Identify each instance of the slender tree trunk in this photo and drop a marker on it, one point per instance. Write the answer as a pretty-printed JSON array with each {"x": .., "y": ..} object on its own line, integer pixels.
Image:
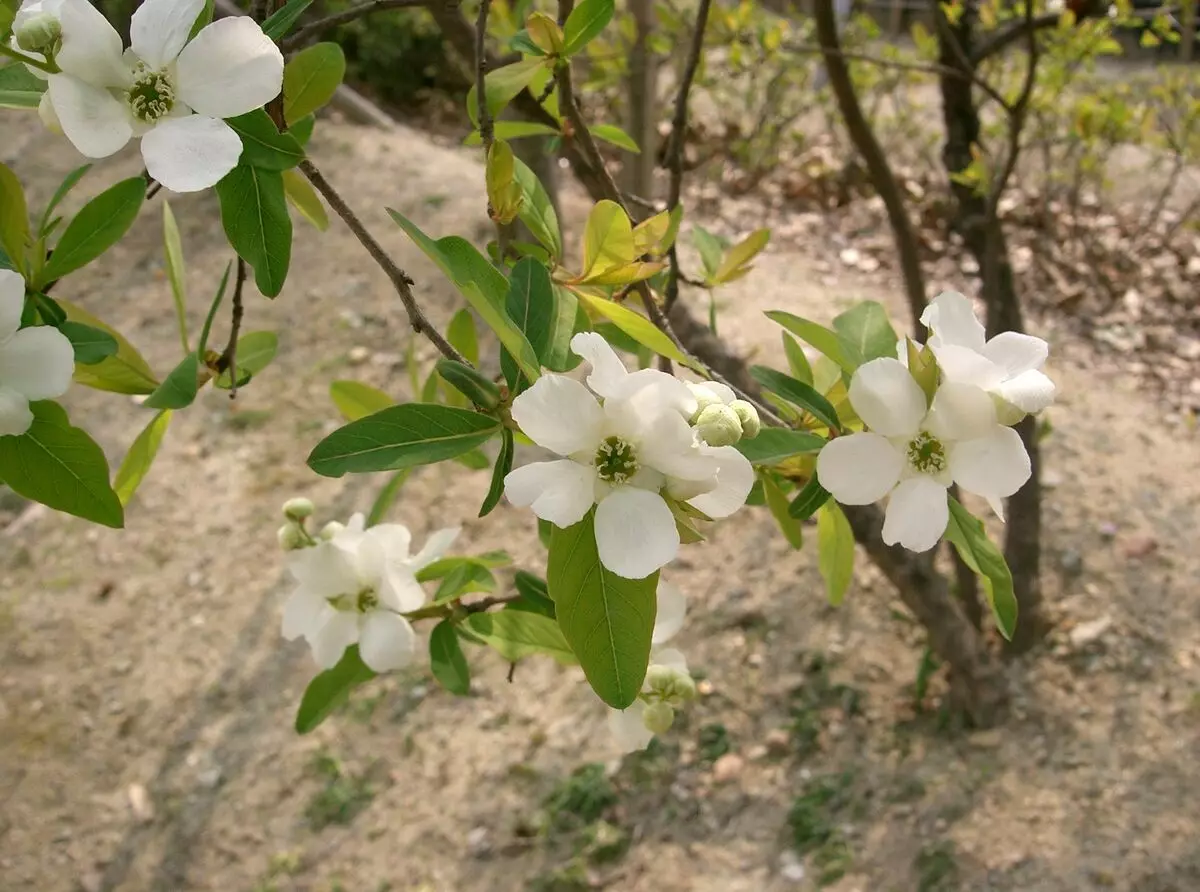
[{"x": 637, "y": 175}]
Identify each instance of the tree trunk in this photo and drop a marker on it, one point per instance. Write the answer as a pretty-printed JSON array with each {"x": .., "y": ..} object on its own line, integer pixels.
[{"x": 637, "y": 174}]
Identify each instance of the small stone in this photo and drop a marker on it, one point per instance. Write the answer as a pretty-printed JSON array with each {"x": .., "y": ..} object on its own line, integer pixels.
[
  {"x": 850, "y": 256},
  {"x": 1089, "y": 632},
  {"x": 779, "y": 742},
  {"x": 1141, "y": 547},
  {"x": 91, "y": 881},
  {"x": 727, "y": 768},
  {"x": 756, "y": 753},
  {"x": 1108, "y": 530},
  {"x": 358, "y": 355},
  {"x": 139, "y": 802},
  {"x": 868, "y": 264},
  {"x": 704, "y": 688},
  {"x": 210, "y": 778},
  {"x": 477, "y": 842},
  {"x": 1070, "y": 562},
  {"x": 791, "y": 867}
]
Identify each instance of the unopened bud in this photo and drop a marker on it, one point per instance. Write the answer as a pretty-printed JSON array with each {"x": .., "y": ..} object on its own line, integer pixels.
[
  {"x": 331, "y": 529},
  {"x": 670, "y": 685},
  {"x": 291, "y": 537},
  {"x": 748, "y": 416},
  {"x": 719, "y": 426},
  {"x": 704, "y": 399},
  {"x": 38, "y": 33},
  {"x": 298, "y": 509},
  {"x": 658, "y": 718}
]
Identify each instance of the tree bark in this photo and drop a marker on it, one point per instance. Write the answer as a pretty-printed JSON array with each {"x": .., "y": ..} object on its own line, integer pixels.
[{"x": 637, "y": 173}]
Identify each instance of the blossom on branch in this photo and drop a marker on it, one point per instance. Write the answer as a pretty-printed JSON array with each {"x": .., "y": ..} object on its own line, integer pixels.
[
  {"x": 354, "y": 586},
  {"x": 36, "y": 363}
]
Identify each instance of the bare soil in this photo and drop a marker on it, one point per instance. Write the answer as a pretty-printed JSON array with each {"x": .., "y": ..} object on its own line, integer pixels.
[{"x": 146, "y": 697}]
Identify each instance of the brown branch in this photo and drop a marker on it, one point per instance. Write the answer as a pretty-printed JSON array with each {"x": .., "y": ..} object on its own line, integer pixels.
[
  {"x": 1002, "y": 39},
  {"x": 399, "y": 278},
  {"x": 299, "y": 38},
  {"x": 486, "y": 132},
  {"x": 227, "y": 361},
  {"x": 443, "y": 611}
]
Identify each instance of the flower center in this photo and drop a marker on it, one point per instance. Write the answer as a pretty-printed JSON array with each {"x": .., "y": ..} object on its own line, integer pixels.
[
  {"x": 362, "y": 602},
  {"x": 616, "y": 460},
  {"x": 926, "y": 453},
  {"x": 152, "y": 96}
]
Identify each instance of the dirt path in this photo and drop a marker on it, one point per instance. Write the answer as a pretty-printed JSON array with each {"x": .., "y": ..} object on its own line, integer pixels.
[{"x": 146, "y": 697}]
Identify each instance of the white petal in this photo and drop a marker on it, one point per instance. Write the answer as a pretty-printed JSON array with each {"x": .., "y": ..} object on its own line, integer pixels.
[
  {"x": 558, "y": 491},
  {"x": 37, "y": 363},
  {"x": 338, "y": 629},
  {"x": 714, "y": 390},
  {"x": 735, "y": 479},
  {"x": 916, "y": 514},
  {"x": 860, "y": 468},
  {"x": 886, "y": 398},
  {"x": 960, "y": 412},
  {"x": 559, "y": 414},
  {"x": 191, "y": 153},
  {"x": 672, "y": 607},
  {"x": 654, "y": 391},
  {"x": 965, "y": 366},
  {"x": 635, "y": 532},
  {"x": 95, "y": 123},
  {"x": 386, "y": 641},
  {"x": 160, "y": 28},
  {"x": 669, "y": 657},
  {"x": 301, "y": 612},
  {"x": 48, "y": 115},
  {"x": 668, "y": 445},
  {"x": 1016, "y": 353},
  {"x": 995, "y": 466},
  {"x": 324, "y": 569},
  {"x": 394, "y": 539},
  {"x": 1029, "y": 391},
  {"x": 628, "y": 729},
  {"x": 435, "y": 547},
  {"x": 229, "y": 69},
  {"x": 608, "y": 372},
  {"x": 12, "y": 302},
  {"x": 951, "y": 318},
  {"x": 91, "y": 49},
  {"x": 15, "y": 414}
]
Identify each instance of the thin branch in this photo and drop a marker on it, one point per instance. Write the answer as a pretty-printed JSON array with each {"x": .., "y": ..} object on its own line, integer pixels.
[
  {"x": 1001, "y": 40},
  {"x": 966, "y": 68},
  {"x": 486, "y": 131},
  {"x": 299, "y": 38},
  {"x": 444, "y": 611},
  {"x": 399, "y": 278},
  {"x": 228, "y": 358},
  {"x": 1016, "y": 117}
]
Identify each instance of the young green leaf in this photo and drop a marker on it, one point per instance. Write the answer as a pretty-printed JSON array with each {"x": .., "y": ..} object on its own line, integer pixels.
[
  {"x": 255, "y": 216},
  {"x": 736, "y": 262},
  {"x": 400, "y": 437},
  {"x": 776, "y": 444},
  {"x": 466, "y": 576},
  {"x": 607, "y": 240},
  {"x": 545, "y": 313},
  {"x": 828, "y": 342},
  {"x": 468, "y": 381},
  {"x": 777, "y": 504},
  {"x": 504, "y": 193},
  {"x": 69, "y": 182},
  {"x": 511, "y": 130},
  {"x": 922, "y": 365},
  {"x": 124, "y": 372},
  {"x": 92, "y": 345},
  {"x": 835, "y": 551},
  {"x": 140, "y": 457},
  {"x": 331, "y": 689},
  {"x": 584, "y": 23},
  {"x": 462, "y": 336},
  {"x": 710, "y": 249},
  {"x": 14, "y": 215},
  {"x": 303, "y": 197},
  {"x": 61, "y": 467},
  {"x": 797, "y": 392},
  {"x": 516, "y": 634},
  {"x": 811, "y": 497},
  {"x": 544, "y": 33},
  {"x": 173, "y": 252},
  {"x": 280, "y": 22},
  {"x": 255, "y": 351},
  {"x": 502, "y": 85},
  {"x": 263, "y": 146},
  {"x": 179, "y": 388},
  {"x": 966, "y": 533},
  {"x": 356, "y": 400},
  {"x": 310, "y": 79},
  {"x": 19, "y": 88},
  {"x": 537, "y": 210},
  {"x": 97, "y": 227},
  {"x": 503, "y": 465},
  {"x": 615, "y": 135},
  {"x": 535, "y": 596},
  {"x": 607, "y": 620},
  {"x": 797, "y": 360},
  {"x": 866, "y": 328},
  {"x": 447, "y": 660},
  {"x": 636, "y": 326}
]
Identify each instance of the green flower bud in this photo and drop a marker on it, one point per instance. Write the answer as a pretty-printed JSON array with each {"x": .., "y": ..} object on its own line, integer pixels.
[
  {"x": 670, "y": 686},
  {"x": 39, "y": 33},
  {"x": 704, "y": 399},
  {"x": 298, "y": 509},
  {"x": 748, "y": 416},
  {"x": 330, "y": 530},
  {"x": 291, "y": 537},
  {"x": 658, "y": 718},
  {"x": 719, "y": 426}
]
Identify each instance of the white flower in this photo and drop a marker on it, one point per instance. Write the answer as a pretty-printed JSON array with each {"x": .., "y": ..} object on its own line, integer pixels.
[
  {"x": 35, "y": 363},
  {"x": 1009, "y": 365},
  {"x": 171, "y": 92},
  {"x": 914, "y": 455},
  {"x": 628, "y": 726},
  {"x": 618, "y": 455},
  {"x": 353, "y": 588}
]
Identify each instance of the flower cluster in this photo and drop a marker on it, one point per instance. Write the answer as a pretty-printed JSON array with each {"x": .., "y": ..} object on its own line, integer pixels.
[
  {"x": 36, "y": 363},
  {"x": 668, "y": 685},
  {"x": 354, "y": 585},
  {"x": 919, "y": 443},
  {"x": 168, "y": 88},
  {"x": 627, "y": 446}
]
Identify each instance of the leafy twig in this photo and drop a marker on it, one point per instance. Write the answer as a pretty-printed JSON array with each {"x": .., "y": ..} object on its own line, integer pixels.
[
  {"x": 1000, "y": 40},
  {"x": 486, "y": 132},
  {"x": 302, "y": 36}
]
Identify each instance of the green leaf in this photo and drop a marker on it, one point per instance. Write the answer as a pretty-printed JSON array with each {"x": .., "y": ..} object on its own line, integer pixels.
[
  {"x": 828, "y": 342},
  {"x": 303, "y": 129},
  {"x": 522, "y": 43},
  {"x": 173, "y": 252},
  {"x": 866, "y": 328},
  {"x": 443, "y": 567},
  {"x": 140, "y": 457},
  {"x": 797, "y": 361},
  {"x": 470, "y": 382},
  {"x": 516, "y": 634},
  {"x": 511, "y": 130},
  {"x": 808, "y": 500},
  {"x": 636, "y": 326},
  {"x": 8, "y": 12},
  {"x": 775, "y": 444},
  {"x": 97, "y": 227},
  {"x": 203, "y": 20},
  {"x": 537, "y": 210},
  {"x": 504, "y": 463},
  {"x": 61, "y": 467},
  {"x": 484, "y": 287},
  {"x": 280, "y": 22},
  {"x": 797, "y": 392},
  {"x": 179, "y": 389},
  {"x": 586, "y": 21},
  {"x": 19, "y": 88},
  {"x": 462, "y": 337},
  {"x": 386, "y": 497},
  {"x": 255, "y": 351},
  {"x": 310, "y": 79},
  {"x": 466, "y": 576},
  {"x": 447, "y": 661},
  {"x": 966, "y": 533},
  {"x": 777, "y": 503},
  {"x": 545, "y": 314},
  {"x": 14, "y": 217},
  {"x": 303, "y": 197},
  {"x": 607, "y": 240},
  {"x": 401, "y": 437},
  {"x": 736, "y": 262},
  {"x": 331, "y": 689},
  {"x": 607, "y": 620},
  {"x": 502, "y": 84},
  {"x": 69, "y": 182},
  {"x": 535, "y": 596},
  {"x": 124, "y": 372},
  {"x": 710, "y": 249},
  {"x": 263, "y": 146},
  {"x": 835, "y": 551},
  {"x": 615, "y": 135},
  {"x": 255, "y": 216},
  {"x": 92, "y": 345},
  {"x": 923, "y": 367}
]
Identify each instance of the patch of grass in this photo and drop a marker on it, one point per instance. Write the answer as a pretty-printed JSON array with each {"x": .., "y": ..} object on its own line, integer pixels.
[
  {"x": 832, "y": 861},
  {"x": 813, "y": 820},
  {"x": 810, "y": 700},
  {"x": 343, "y": 796},
  {"x": 580, "y": 799},
  {"x": 605, "y": 843},
  {"x": 713, "y": 741},
  {"x": 436, "y": 201},
  {"x": 936, "y": 867},
  {"x": 247, "y": 419},
  {"x": 907, "y": 789},
  {"x": 571, "y": 877}
]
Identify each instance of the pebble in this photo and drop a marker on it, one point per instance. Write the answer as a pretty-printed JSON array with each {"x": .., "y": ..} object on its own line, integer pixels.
[
  {"x": 139, "y": 801},
  {"x": 779, "y": 742},
  {"x": 791, "y": 867},
  {"x": 727, "y": 768},
  {"x": 477, "y": 841},
  {"x": 1089, "y": 632},
  {"x": 850, "y": 256},
  {"x": 358, "y": 355},
  {"x": 1070, "y": 562}
]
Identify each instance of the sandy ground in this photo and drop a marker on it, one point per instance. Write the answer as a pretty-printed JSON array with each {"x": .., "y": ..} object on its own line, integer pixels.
[{"x": 146, "y": 697}]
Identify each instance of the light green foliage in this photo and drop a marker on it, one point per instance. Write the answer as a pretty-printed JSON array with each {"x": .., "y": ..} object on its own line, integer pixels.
[
  {"x": 343, "y": 796},
  {"x": 713, "y": 742},
  {"x": 447, "y": 661},
  {"x": 330, "y": 689},
  {"x": 835, "y": 551},
  {"x": 814, "y": 822},
  {"x": 978, "y": 552},
  {"x": 254, "y": 213},
  {"x": 98, "y": 226},
  {"x": 310, "y": 79},
  {"x": 580, "y": 799}
]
